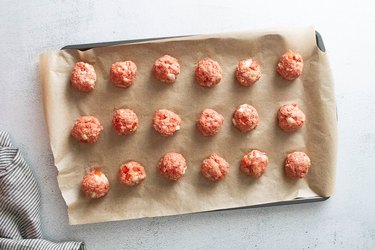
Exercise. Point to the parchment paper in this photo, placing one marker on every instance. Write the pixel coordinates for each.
(156, 196)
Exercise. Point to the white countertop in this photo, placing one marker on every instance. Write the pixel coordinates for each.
(345, 221)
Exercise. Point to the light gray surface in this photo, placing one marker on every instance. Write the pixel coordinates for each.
(347, 220)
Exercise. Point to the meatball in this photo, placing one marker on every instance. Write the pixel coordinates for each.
(290, 117)
(166, 69)
(290, 65)
(131, 173)
(83, 77)
(247, 72)
(297, 165)
(245, 118)
(210, 122)
(95, 184)
(208, 73)
(172, 166)
(123, 74)
(166, 122)
(125, 121)
(214, 168)
(254, 163)
(86, 129)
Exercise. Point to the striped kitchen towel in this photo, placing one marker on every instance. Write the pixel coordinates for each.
(20, 204)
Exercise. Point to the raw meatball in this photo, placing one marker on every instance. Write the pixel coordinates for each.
(290, 117)
(248, 72)
(131, 173)
(83, 77)
(214, 168)
(166, 122)
(87, 129)
(209, 122)
(297, 165)
(208, 72)
(254, 163)
(166, 69)
(123, 74)
(125, 121)
(172, 166)
(245, 118)
(95, 184)
(290, 65)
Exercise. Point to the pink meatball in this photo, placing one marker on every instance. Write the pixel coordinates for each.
(290, 117)
(297, 165)
(166, 122)
(123, 74)
(87, 129)
(95, 184)
(245, 118)
(210, 122)
(166, 69)
(254, 163)
(125, 121)
(290, 65)
(83, 77)
(247, 72)
(131, 173)
(172, 166)
(208, 73)
(214, 168)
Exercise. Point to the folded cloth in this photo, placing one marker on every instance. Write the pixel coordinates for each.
(20, 204)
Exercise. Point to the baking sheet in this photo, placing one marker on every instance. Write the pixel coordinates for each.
(313, 91)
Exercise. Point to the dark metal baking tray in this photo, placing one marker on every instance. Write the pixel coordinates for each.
(319, 43)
